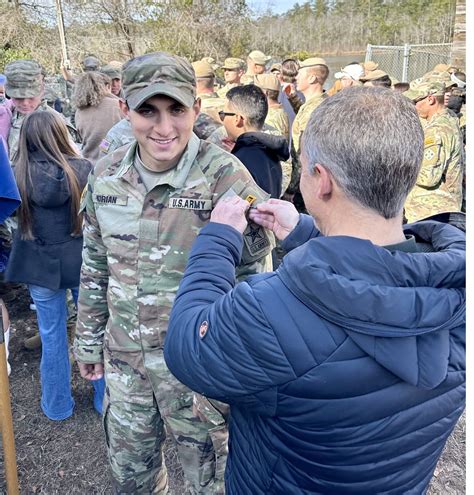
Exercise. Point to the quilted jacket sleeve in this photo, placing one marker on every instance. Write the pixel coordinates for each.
(219, 342)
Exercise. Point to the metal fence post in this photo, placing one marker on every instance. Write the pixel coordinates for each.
(368, 53)
(406, 62)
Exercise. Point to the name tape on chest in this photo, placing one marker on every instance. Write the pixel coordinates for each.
(190, 203)
(111, 199)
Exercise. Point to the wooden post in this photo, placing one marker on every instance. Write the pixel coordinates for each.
(6, 422)
(458, 53)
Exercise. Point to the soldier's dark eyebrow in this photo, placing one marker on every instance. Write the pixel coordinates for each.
(146, 106)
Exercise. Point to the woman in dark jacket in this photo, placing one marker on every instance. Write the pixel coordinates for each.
(47, 246)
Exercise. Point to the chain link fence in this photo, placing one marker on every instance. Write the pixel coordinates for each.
(408, 62)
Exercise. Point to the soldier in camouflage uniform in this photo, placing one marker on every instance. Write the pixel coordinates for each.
(234, 69)
(211, 104)
(438, 188)
(121, 133)
(116, 77)
(277, 118)
(310, 80)
(144, 205)
(25, 86)
(256, 64)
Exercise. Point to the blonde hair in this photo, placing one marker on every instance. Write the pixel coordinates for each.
(46, 132)
(90, 88)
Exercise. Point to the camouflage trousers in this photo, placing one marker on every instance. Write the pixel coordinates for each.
(143, 402)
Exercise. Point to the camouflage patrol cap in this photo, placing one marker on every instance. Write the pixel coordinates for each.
(203, 69)
(312, 62)
(91, 63)
(444, 77)
(112, 72)
(158, 73)
(233, 63)
(267, 81)
(24, 79)
(421, 88)
(259, 57)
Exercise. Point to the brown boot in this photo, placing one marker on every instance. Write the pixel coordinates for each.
(33, 343)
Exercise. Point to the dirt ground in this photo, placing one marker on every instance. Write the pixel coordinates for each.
(69, 457)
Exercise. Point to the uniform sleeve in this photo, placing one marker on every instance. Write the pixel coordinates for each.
(258, 242)
(434, 162)
(92, 304)
(219, 342)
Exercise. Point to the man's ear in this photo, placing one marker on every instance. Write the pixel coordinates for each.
(124, 109)
(197, 106)
(239, 120)
(325, 181)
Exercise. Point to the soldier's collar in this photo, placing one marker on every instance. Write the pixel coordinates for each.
(176, 177)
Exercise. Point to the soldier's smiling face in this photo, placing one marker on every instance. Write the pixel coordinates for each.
(162, 127)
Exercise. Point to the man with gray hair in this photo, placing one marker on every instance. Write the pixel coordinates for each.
(345, 368)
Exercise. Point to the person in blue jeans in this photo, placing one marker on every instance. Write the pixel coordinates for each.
(47, 247)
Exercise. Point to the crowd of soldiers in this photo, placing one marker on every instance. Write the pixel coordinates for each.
(293, 89)
(141, 297)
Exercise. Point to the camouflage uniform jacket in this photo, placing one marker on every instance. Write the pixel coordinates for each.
(302, 118)
(137, 243)
(16, 123)
(278, 118)
(211, 104)
(119, 135)
(439, 184)
(223, 91)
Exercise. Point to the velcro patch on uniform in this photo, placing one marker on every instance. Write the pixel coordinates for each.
(429, 141)
(255, 239)
(190, 203)
(111, 199)
(104, 146)
(251, 199)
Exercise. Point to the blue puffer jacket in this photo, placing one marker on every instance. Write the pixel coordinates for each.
(345, 369)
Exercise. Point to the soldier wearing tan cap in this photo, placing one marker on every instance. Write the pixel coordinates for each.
(211, 104)
(439, 185)
(256, 63)
(276, 116)
(377, 77)
(369, 66)
(310, 80)
(234, 69)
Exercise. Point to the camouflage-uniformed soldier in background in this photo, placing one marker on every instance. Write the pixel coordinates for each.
(211, 104)
(312, 75)
(144, 206)
(310, 80)
(25, 86)
(256, 64)
(438, 188)
(277, 118)
(116, 77)
(234, 69)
